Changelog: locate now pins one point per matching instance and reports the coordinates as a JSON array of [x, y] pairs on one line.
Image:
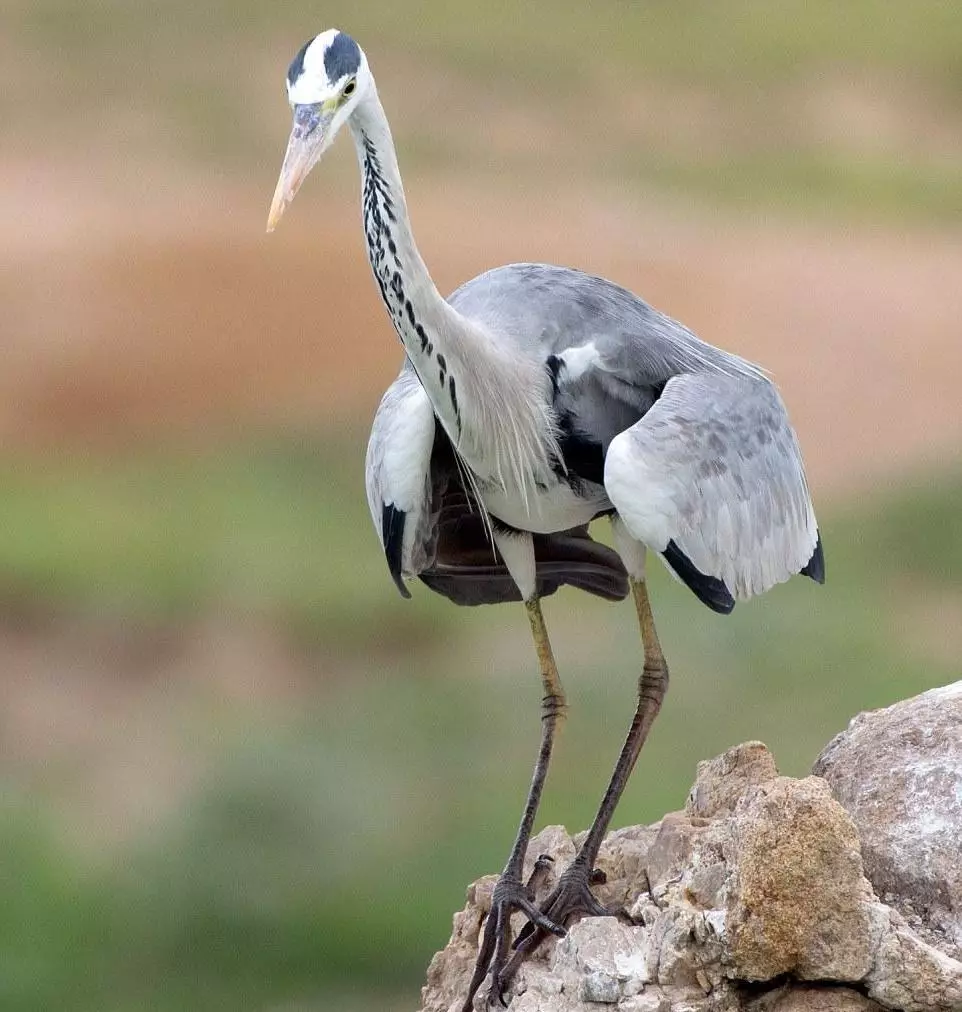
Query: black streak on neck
[[375, 199], [379, 215]]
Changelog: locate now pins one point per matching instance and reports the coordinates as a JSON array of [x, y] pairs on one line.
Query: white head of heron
[[326, 80]]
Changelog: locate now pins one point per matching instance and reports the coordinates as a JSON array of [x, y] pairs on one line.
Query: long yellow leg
[[510, 893], [652, 686]]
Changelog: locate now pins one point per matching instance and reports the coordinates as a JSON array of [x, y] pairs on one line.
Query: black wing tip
[[708, 589], [814, 569], [392, 536]]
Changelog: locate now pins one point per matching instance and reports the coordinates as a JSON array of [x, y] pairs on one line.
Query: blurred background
[[237, 771]]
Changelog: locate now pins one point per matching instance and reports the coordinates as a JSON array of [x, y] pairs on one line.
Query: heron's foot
[[571, 897], [510, 894]]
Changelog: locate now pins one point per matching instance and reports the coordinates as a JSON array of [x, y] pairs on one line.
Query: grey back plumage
[[557, 308], [638, 348]]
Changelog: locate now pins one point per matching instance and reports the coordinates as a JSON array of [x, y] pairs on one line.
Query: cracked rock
[[792, 847], [898, 772], [754, 899]]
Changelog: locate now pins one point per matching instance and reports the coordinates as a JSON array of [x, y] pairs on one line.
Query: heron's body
[[716, 470], [534, 400]]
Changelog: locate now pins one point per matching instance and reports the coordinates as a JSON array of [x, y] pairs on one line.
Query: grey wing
[[693, 444], [398, 477], [712, 478]]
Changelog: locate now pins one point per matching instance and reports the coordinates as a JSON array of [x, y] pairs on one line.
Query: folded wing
[[711, 477], [398, 477]]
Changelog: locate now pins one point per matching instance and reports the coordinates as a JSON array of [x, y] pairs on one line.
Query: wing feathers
[[714, 469], [398, 472], [708, 589], [468, 572], [815, 567], [392, 538]]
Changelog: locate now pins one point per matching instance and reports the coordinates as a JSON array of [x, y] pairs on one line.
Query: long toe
[[510, 894], [571, 897]]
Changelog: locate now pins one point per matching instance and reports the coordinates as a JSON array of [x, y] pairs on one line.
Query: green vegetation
[[766, 82], [325, 848], [742, 41], [922, 529], [276, 530]]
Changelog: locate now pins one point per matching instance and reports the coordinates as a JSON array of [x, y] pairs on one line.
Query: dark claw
[[571, 897], [535, 916], [538, 874], [509, 895], [526, 932]]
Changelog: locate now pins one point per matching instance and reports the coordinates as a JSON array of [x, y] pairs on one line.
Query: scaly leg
[[511, 893], [572, 895]]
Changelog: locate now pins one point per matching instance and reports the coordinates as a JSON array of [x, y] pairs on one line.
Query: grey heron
[[532, 401]]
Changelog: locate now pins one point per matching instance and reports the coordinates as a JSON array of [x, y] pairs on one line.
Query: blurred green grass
[[746, 42], [206, 82], [323, 852], [275, 529]]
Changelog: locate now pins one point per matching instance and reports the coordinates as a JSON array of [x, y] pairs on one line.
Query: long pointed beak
[[308, 141]]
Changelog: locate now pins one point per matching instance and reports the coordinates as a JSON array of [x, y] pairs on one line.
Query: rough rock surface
[[898, 773], [754, 898]]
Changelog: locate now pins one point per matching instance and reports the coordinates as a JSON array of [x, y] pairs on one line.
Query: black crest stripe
[[342, 57], [296, 68]]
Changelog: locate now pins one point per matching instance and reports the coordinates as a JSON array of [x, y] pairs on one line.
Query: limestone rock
[[721, 781], [910, 975], [898, 772], [794, 846], [606, 959], [735, 905], [450, 969], [813, 999]]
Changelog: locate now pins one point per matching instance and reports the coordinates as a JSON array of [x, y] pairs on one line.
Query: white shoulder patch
[[579, 360]]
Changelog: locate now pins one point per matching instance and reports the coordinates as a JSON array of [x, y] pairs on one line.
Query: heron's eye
[[349, 88]]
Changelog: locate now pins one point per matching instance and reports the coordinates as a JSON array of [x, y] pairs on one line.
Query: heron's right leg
[[511, 893]]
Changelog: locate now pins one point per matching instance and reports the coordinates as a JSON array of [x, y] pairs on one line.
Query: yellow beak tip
[[276, 212]]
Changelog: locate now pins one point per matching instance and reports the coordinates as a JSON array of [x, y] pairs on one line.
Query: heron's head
[[326, 80]]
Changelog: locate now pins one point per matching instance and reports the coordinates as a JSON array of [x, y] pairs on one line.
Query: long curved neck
[[437, 339], [489, 393]]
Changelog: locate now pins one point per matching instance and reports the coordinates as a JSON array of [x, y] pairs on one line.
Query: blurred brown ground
[[157, 310]]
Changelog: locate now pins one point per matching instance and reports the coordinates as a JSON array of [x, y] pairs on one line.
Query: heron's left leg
[[572, 895], [511, 893]]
